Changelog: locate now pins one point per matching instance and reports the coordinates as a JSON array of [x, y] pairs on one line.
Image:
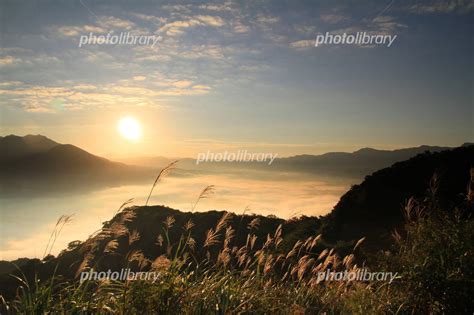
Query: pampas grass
[[60, 223], [205, 193], [165, 171]]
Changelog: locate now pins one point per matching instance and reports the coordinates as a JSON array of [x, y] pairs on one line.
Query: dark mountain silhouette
[[373, 208], [14, 146], [61, 159], [37, 164]]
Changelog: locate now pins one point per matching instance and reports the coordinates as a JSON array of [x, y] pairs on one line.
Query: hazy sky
[[238, 74]]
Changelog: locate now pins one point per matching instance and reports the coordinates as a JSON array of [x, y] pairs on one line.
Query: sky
[[231, 75]]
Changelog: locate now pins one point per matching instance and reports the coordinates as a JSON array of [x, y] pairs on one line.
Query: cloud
[[181, 8], [16, 50], [171, 51], [301, 44], [182, 83], [254, 68], [210, 20], [40, 98], [8, 60], [40, 59], [74, 31], [201, 87], [282, 197], [440, 7], [265, 23], [69, 30], [306, 29], [267, 19], [225, 7], [178, 27], [86, 87], [31, 108], [93, 28], [385, 25], [103, 25], [96, 56], [154, 58], [150, 18], [204, 51], [333, 18], [111, 22], [239, 28], [11, 83]]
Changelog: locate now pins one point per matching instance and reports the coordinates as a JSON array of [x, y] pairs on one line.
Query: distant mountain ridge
[[15, 146], [356, 164], [39, 154], [345, 165], [36, 159], [34, 163]]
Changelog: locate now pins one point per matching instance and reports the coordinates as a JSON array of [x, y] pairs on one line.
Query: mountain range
[[35, 163], [347, 165], [356, 164]]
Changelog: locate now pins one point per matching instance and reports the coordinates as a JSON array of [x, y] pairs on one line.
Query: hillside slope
[[373, 208], [36, 164], [14, 146]]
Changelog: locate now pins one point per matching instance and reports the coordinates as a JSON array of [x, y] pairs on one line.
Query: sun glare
[[129, 128]]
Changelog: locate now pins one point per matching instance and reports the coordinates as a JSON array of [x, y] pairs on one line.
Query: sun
[[129, 128]]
